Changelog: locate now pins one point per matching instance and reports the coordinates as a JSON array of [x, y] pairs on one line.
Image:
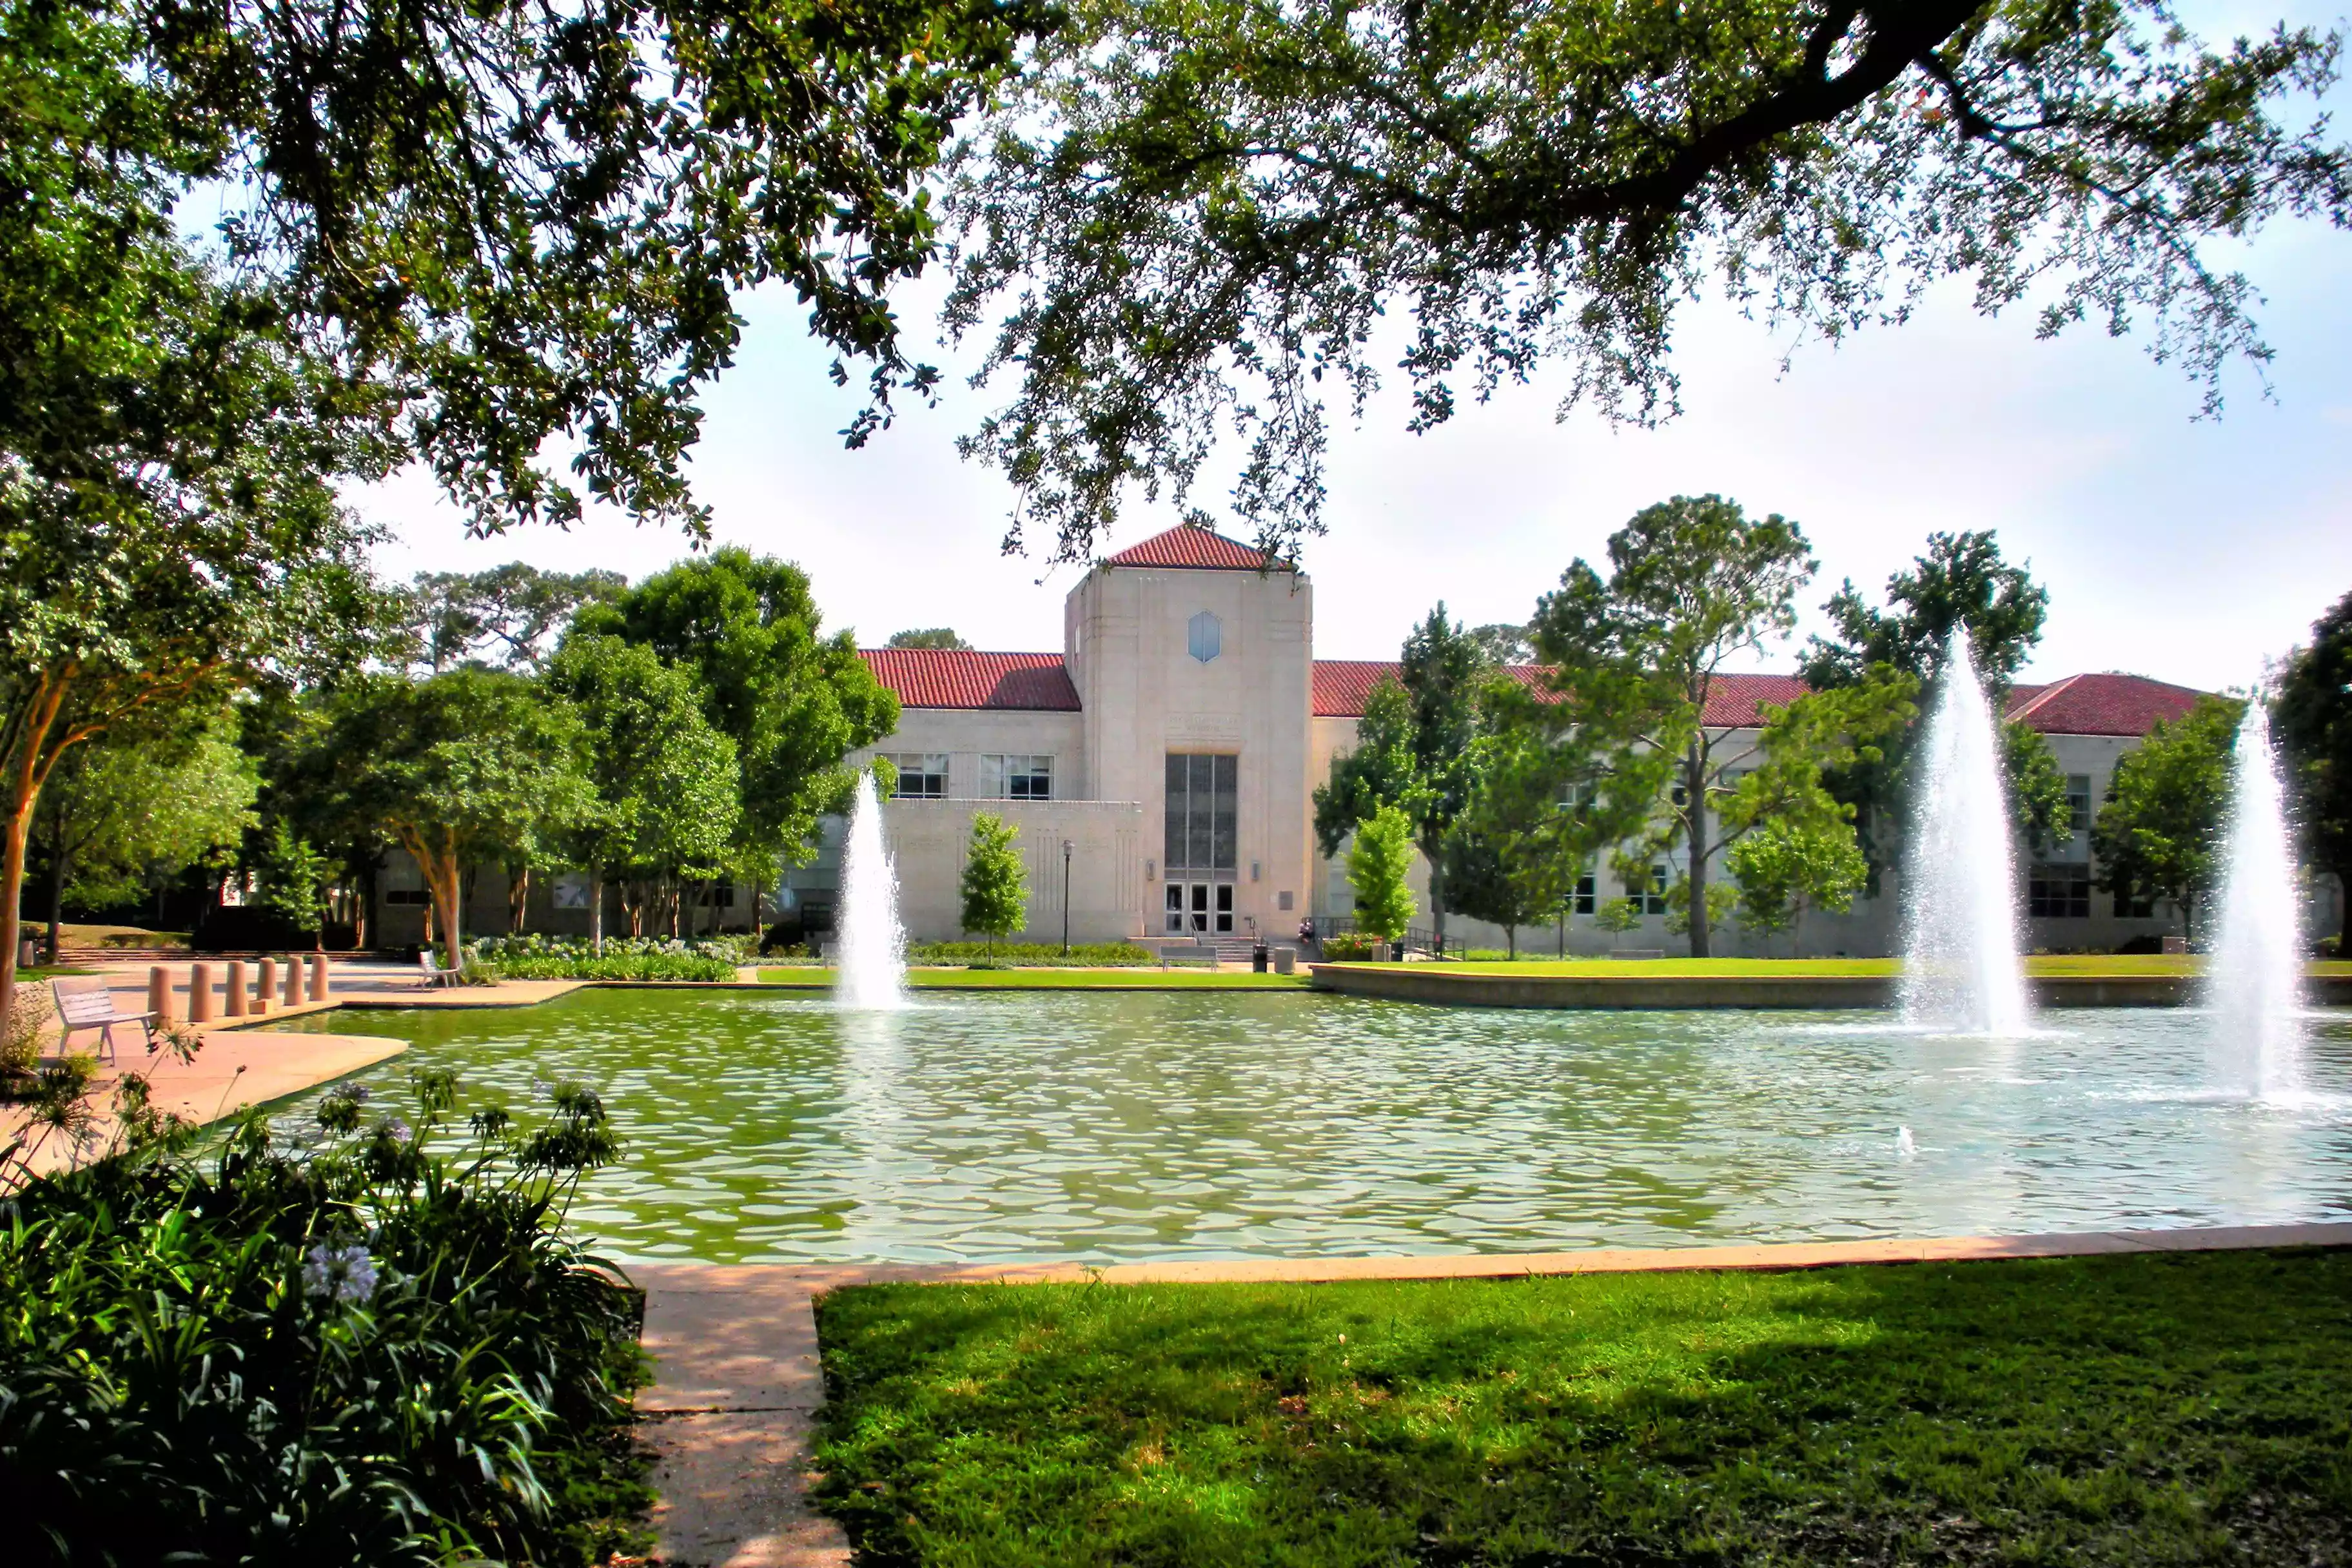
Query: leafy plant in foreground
[[360, 1349]]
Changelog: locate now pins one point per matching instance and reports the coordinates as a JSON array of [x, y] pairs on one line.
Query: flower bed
[[357, 1350], [532, 956]]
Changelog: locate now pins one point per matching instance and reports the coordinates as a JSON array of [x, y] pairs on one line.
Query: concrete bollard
[[200, 993], [318, 977], [159, 991], [292, 994], [265, 985], [1286, 961], [235, 986]]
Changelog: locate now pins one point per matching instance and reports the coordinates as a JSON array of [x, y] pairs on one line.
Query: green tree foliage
[[793, 701], [137, 807], [1380, 865], [1204, 216], [1697, 585], [511, 614], [1617, 916], [1503, 643], [461, 768], [995, 883], [1788, 866], [2313, 720], [1416, 752], [2159, 834], [929, 636], [1961, 581], [1484, 882], [291, 879], [665, 800], [1380, 771], [520, 227]]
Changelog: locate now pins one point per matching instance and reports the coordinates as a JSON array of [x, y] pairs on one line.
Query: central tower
[[1193, 660]]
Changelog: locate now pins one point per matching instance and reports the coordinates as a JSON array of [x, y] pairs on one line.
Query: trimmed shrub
[[1027, 955], [1351, 948], [355, 1350]]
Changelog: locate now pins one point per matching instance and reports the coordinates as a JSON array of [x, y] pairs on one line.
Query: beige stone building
[[1174, 746], [1161, 769]]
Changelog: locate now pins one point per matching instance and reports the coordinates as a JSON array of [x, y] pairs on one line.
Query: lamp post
[[1066, 848]]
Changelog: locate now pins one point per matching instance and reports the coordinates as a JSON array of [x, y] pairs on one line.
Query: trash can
[[1286, 961], [1258, 958], [29, 954]]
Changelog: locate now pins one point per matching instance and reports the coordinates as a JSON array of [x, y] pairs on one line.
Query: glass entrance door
[[1200, 908]]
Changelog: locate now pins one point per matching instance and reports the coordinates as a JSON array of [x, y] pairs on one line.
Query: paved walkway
[[249, 1061], [738, 1385]]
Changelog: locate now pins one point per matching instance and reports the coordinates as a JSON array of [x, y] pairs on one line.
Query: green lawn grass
[[2151, 1409], [2088, 963], [1060, 979]]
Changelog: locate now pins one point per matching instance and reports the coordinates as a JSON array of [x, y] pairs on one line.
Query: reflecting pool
[[765, 1127]]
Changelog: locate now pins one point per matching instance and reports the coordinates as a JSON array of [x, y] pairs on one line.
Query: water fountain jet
[[2255, 985], [1960, 967], [873, 963]]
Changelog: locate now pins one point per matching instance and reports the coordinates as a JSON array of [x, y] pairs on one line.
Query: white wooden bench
[[85, 1002], [433, 974]]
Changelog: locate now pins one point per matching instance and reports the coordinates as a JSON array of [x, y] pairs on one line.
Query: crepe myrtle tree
[[2312, 719], [995, 884], [2159, 834], [1379, 866], [793, 700], [1415, 748], [1190, 223], [663, 784], [456, 767]]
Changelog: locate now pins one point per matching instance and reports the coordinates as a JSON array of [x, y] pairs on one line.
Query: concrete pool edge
[[1686, 992], [739, 1380]]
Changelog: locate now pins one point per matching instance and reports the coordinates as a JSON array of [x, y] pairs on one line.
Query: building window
[[1574, 797], [1016, 777], [2059, 892], [922, 775], [2135, 906], [1586, 897], [405, 896], [2078, 803], [1202, 796], [1652, 898], [1205, 636]]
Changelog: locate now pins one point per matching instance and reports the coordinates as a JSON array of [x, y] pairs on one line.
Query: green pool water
[[769, 1127]]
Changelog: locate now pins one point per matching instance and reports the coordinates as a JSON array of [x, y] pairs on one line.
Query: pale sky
[[2190, 550]]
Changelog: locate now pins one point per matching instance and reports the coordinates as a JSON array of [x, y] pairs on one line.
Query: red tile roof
[[950, 677], [2104, 704], [1342, 685], [1187, 546]]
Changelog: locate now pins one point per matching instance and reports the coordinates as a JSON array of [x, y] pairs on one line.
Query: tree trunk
[[1436, 895], [12, 885], [1511, 935], [596, 914], [518, 898], [57, 893], [1694, 788], [448, 885]]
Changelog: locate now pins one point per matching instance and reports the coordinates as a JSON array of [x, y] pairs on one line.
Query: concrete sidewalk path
[[732, 1412], [738, 1384]]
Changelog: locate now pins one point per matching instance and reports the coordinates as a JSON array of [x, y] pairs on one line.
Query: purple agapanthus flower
[[342, 1275]]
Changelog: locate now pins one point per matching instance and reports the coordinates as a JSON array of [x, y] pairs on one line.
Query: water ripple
[[769, 1129]]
